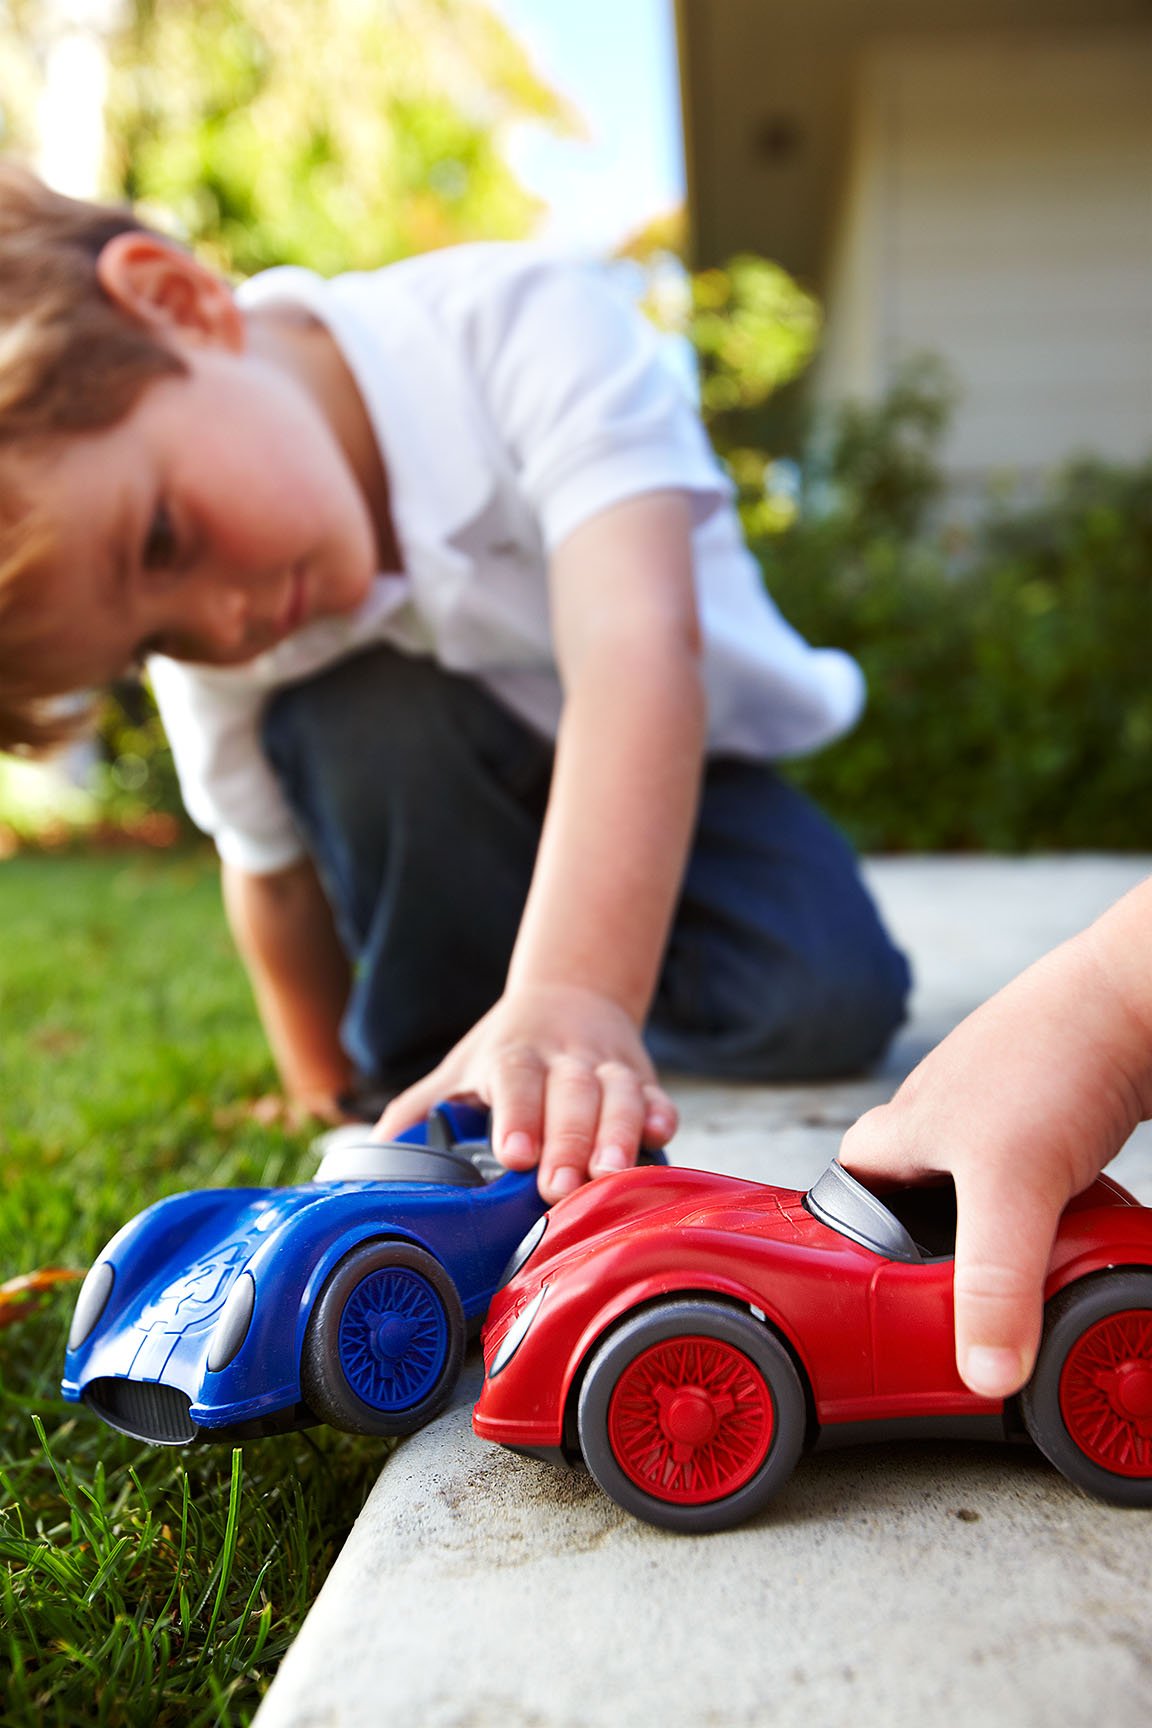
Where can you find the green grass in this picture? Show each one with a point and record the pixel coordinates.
(138, 1585)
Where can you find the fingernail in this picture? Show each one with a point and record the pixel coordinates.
(993, 1373)
(563, 1181)
(610, 1158)
(517, 1149)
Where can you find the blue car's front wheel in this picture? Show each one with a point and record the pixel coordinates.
(385, 1342)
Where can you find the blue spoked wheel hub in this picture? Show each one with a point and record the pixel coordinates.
(393, 1338)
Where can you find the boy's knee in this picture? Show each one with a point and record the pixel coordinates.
(836, 1022)
(796, 1020)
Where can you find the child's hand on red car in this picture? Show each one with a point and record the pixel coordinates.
(1022, 1105)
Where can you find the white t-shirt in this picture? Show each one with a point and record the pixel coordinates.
(514, 394)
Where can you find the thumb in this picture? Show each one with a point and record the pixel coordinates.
(1004, 1240)
(880, 1145)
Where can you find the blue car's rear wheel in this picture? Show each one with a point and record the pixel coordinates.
(385, 1342)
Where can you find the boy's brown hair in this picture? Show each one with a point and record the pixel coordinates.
(70, 362)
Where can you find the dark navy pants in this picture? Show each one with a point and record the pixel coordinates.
(421, 799)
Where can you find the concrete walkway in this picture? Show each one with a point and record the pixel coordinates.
(915, 1584)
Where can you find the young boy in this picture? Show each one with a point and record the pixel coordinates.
(464, 663)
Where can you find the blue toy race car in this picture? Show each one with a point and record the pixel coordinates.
(231, 1313)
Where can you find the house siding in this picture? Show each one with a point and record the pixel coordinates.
(998, 211)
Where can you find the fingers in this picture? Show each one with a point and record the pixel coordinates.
(1004, 1243)
(595, 1122)
(574, 1118)
(518, 1077)
(410, 1106)
(661, 1117)
(875, 1145)
(623, 1110)
(571, 1113)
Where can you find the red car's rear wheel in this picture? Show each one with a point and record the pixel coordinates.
(691, 1415)
(1088, 1406)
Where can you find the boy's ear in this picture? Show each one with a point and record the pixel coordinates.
(170, 292)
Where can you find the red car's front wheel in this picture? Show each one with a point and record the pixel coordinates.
(1088, 1406)
(691, 1415)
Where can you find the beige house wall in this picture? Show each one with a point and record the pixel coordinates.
(851, 361)
(968, 176)
(998, 211)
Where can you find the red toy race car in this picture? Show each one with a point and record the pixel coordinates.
(690, 1335)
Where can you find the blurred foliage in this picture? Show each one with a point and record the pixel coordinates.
(875, 467)
(660, 237)
(20, 58)
(753, 329)
(1010, 706)
(331, 133)
(137, 776)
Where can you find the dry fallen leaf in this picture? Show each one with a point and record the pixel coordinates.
(21, 1296)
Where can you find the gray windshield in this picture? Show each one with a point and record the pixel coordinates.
(842, 1203)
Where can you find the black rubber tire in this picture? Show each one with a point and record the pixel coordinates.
(326, 1388)
(689, 1317)
(1069, 1315)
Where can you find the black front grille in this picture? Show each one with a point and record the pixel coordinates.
(144, 1410)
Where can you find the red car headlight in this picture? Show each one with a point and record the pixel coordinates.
(517, 1333)
(523, 1251)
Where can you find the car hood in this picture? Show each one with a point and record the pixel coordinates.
(656, 1198)
(175, 1265)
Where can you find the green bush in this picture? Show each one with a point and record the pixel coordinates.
(137, 776)
(1010, 701)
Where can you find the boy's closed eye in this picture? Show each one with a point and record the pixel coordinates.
(161, 549)
(160, 552)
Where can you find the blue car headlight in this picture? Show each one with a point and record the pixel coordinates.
(517, 1333)
(524, 1250)
(91, 1302)
(232, 1326)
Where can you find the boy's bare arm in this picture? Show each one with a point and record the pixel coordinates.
(560, 1057)
(1023, 1105)
(283, 929)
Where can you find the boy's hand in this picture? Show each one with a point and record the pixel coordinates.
(1023, 1105)
(278, 1110)
(568, 1080)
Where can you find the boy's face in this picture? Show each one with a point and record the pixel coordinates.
(222, 514)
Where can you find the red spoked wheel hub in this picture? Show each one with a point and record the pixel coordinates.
(690, 1420)
(1106, 1393)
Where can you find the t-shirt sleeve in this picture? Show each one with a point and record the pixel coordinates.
(588, 400)
(213, 725)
